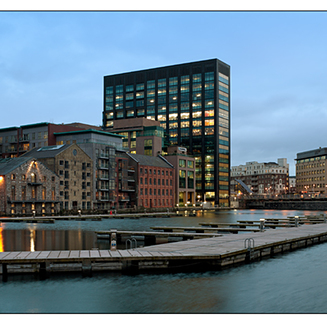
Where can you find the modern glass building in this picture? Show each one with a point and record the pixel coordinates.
(192, 103)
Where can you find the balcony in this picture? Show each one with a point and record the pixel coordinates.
(123, 198)
(128, 189)
(103, 167)
(24, 139)
(12, 149)
(103, 177)
(103, 198)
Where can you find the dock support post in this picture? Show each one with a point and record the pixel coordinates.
(113, 240)
(86, 268)
(43, 270)
(4, 273)
(262, 224)
(296, 220)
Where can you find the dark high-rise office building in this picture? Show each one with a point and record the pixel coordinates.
(192, 103)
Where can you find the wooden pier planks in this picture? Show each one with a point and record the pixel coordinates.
(229, 245)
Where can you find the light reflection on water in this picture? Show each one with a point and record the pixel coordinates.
(290, 283)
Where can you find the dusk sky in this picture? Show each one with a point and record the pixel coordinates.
(52, 66)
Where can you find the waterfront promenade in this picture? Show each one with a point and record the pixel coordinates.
(192, 255)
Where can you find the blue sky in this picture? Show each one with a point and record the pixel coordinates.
(52, 66)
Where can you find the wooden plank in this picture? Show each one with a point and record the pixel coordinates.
(22, 255)
(134, 253)
(94, 253)
(84, 254)
(104, 253)
(64, 254)
(115, 253)
(74, 254)
(32, 255)
(145, 254)
(4, 254)
(125, 253)
(54, 254)
(12, 255)
(43, 254)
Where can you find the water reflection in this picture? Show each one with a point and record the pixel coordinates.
(39, 240)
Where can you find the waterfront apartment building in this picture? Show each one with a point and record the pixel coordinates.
(263, 178)
(155, 181)
(311, 171)
(192, 103)
(101, 147)
(75, 170)
(27, 186)
(15, 141)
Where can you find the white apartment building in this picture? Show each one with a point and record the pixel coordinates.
(264, 178)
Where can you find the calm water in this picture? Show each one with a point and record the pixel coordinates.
(293, 283)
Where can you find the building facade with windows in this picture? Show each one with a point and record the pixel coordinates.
(140, 135)
(15, 141)
(27, 186)
(75, 170)
(184, 175)
(155, 181)
(192, 103)
(311, 171)
(263, 178)
(101, 147)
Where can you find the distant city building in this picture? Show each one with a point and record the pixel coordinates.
(75, 170)
(15, 141)
(27, 186)
(192, 103)
(311, 171)
(292, 184)
(263, 178)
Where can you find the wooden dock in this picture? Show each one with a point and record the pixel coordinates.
(203, 229)
(152, 237)
(193, 255)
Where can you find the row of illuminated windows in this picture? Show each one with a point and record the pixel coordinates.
(311, 172)
(185, 115)
(310, 179)
(312, 159)
(309, 166)
(195, 123)
(184, 97)
(182, 164)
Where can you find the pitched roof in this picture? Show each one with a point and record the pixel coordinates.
(150, 160)
(9, 164)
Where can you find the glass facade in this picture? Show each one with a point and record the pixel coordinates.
(192, 103)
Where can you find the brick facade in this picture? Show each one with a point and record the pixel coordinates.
(29, 187)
